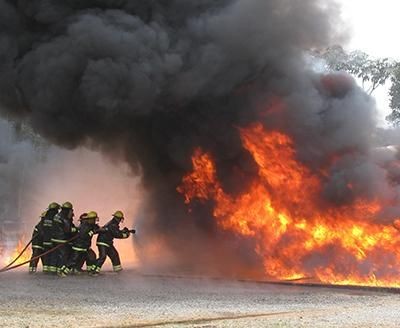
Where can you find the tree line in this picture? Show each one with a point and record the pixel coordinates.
(372, 72)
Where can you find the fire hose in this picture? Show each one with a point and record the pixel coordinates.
(10, 266)
(19, 255)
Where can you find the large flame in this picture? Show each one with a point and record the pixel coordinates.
(295, 234)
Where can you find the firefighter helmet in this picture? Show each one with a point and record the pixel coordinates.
(83, 216)
(118, 214)
(54, 205)
(92, 215)
(67, 205)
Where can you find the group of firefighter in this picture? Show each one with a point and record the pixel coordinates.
(64, 248)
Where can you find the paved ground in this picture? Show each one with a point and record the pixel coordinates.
(133, 300)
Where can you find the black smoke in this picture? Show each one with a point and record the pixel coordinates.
(148, 81)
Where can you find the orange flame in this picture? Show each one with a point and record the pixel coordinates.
(16, 251)
(294, 233)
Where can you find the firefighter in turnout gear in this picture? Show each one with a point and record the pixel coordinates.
(105, 242)
(37, 244)
(63, 230)
(90, 258)
(47, 228)
(80, 249)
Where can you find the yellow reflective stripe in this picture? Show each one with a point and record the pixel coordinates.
(47, 243)
(73, 229)
(61, 241)
(99, 243)
(117, 268)
(79, 249)
(36, 229)
(90, 233)
(125, 235)
(37, 246)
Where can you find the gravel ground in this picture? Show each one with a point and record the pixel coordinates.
(133, 300)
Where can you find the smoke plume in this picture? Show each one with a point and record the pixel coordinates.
(146, 82)
(19, 154)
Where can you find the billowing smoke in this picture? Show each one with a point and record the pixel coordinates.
(19, 154)
(147, 82)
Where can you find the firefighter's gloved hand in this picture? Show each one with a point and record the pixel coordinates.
(125, 233)
(96, 229)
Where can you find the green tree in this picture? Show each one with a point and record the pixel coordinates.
(394, 116)
(371, 72)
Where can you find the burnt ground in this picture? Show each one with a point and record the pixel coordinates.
(131, 299)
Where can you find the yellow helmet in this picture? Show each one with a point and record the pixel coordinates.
(91, 215)
(118, 214)
(67, 205)
(53, 205)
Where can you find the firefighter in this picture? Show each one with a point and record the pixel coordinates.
(105, 242)
(47, 228)
(90, 258)
(63, 230)
(37, 244)
(80, 249)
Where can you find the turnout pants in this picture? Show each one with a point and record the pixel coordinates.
(78, 258)
(112, 253)
(89, 258)
(60, 256)
(49, 259)
(36, 251)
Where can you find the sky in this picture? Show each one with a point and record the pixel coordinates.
(374, 26)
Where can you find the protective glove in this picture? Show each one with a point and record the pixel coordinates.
(96, 229)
